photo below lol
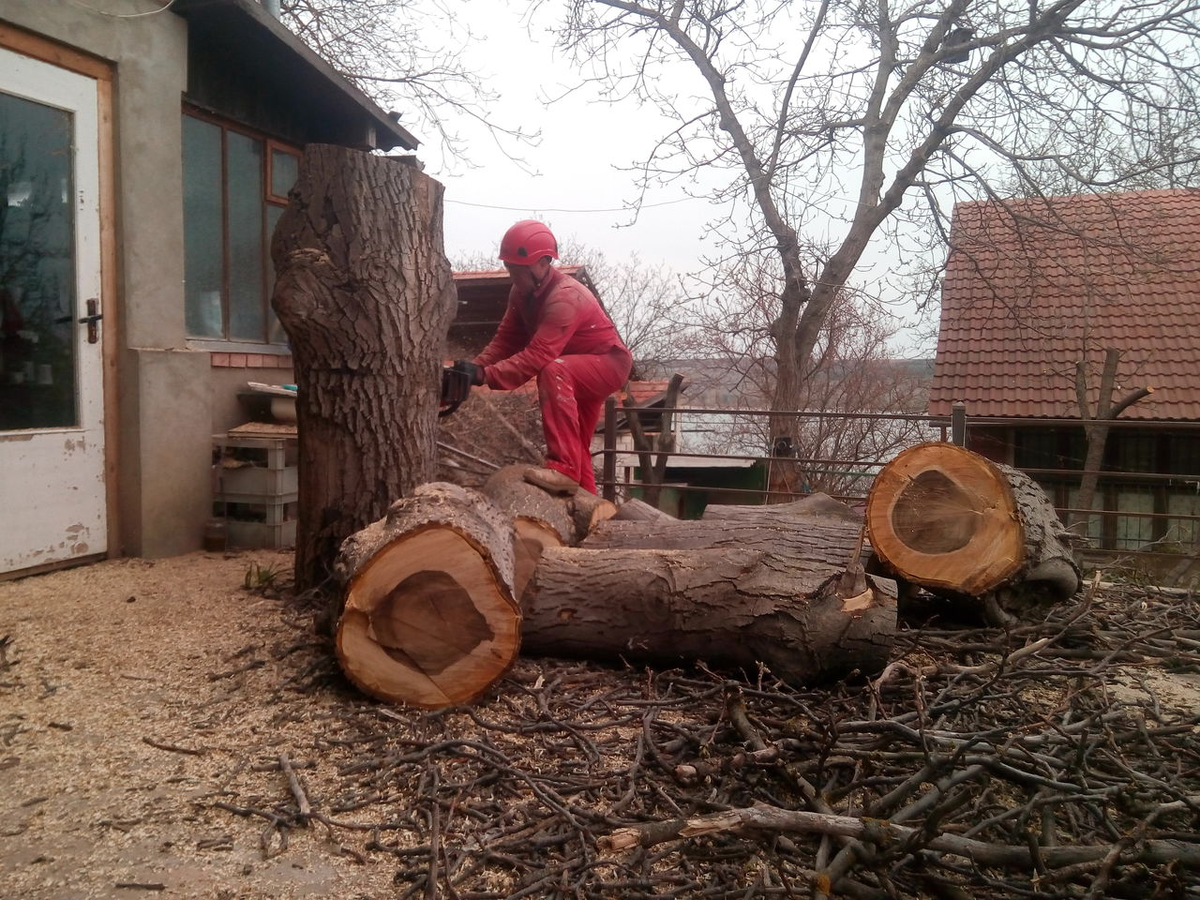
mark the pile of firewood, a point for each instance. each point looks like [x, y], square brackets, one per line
[443, 592]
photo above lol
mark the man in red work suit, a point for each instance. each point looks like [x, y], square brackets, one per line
[555, 329]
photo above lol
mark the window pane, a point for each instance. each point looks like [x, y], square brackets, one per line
[284, 169]
[1133, 532]
[247, 319]
[37, 267]
[203, 250]
[1134, 452]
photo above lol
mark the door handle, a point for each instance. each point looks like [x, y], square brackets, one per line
[90, 320]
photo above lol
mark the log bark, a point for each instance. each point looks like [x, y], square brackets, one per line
[814, 505]
[729, 606]
[429, 617]
[542, 519]
[364, 292]
[790, 593]
[635, 510]
[960, 525]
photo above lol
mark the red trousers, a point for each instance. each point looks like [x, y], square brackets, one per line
[572, 391]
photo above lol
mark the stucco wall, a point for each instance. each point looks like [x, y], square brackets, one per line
[165, 410]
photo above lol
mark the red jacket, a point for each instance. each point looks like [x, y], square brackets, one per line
[562, 318]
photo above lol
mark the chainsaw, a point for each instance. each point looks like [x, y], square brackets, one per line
[457, 381]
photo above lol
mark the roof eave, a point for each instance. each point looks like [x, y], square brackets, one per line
[388, 133]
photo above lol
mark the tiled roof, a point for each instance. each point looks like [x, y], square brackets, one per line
[1032, 285]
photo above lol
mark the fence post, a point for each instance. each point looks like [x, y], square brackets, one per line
[609, 477]
[958, 423]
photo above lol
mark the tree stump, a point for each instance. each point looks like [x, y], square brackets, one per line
[365, 294]
[960, 525]
[428, 617]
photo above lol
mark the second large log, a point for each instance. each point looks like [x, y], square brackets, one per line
[790, 595]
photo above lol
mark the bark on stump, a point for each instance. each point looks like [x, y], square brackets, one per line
[365, 294]
[960, 525]
[429, 617]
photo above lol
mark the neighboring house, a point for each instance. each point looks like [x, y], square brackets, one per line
[146, 151]
[1033, 287]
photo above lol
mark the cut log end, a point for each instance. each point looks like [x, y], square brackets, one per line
[941, 516]
[427, 622]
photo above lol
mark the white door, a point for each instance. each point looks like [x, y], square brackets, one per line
[52, 488]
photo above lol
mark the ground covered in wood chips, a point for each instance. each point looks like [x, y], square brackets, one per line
[177, 728]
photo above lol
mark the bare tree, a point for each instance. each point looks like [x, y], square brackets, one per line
[406, 55]
[820, 119]
[850, 371]
[1096, 417]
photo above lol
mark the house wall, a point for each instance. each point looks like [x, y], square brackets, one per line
[165, 404]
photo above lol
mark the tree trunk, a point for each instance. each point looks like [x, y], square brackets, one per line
[1096, 427]
[958, 524]
[428, 617]
[365, 294]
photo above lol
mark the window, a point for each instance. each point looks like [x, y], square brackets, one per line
[235, 188]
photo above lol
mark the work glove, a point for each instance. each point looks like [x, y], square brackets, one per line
[473, 373]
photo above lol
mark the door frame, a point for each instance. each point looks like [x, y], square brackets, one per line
[102, 72]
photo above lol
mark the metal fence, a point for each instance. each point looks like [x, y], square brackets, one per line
[1147, 509]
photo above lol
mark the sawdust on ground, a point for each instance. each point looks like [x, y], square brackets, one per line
[132, 693]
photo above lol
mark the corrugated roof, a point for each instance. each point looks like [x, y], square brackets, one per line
[1033, 285]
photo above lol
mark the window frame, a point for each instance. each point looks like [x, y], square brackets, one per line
[270, 145]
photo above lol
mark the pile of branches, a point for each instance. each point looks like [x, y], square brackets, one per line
[1042, 761]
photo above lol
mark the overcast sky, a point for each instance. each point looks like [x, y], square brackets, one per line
[573, 180]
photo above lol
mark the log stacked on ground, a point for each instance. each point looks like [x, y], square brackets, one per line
[789, 594]
[953, 522]
[542, 519]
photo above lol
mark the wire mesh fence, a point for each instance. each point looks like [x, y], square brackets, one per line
[1145, 508]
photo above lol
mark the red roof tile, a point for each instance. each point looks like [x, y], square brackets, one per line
[1032, 285]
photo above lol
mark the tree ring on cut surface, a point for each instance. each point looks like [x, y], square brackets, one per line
[427, 621]
[944, 517]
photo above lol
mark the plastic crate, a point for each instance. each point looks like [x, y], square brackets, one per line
[243, 535]
[251, 483]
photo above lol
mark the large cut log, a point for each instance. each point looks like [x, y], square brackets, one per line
[428, 617]
[365, 294]
[828, 544]
[958, 524]
[790, 593]
[729, 606]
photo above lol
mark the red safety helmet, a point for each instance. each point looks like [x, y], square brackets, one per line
[527, 242]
